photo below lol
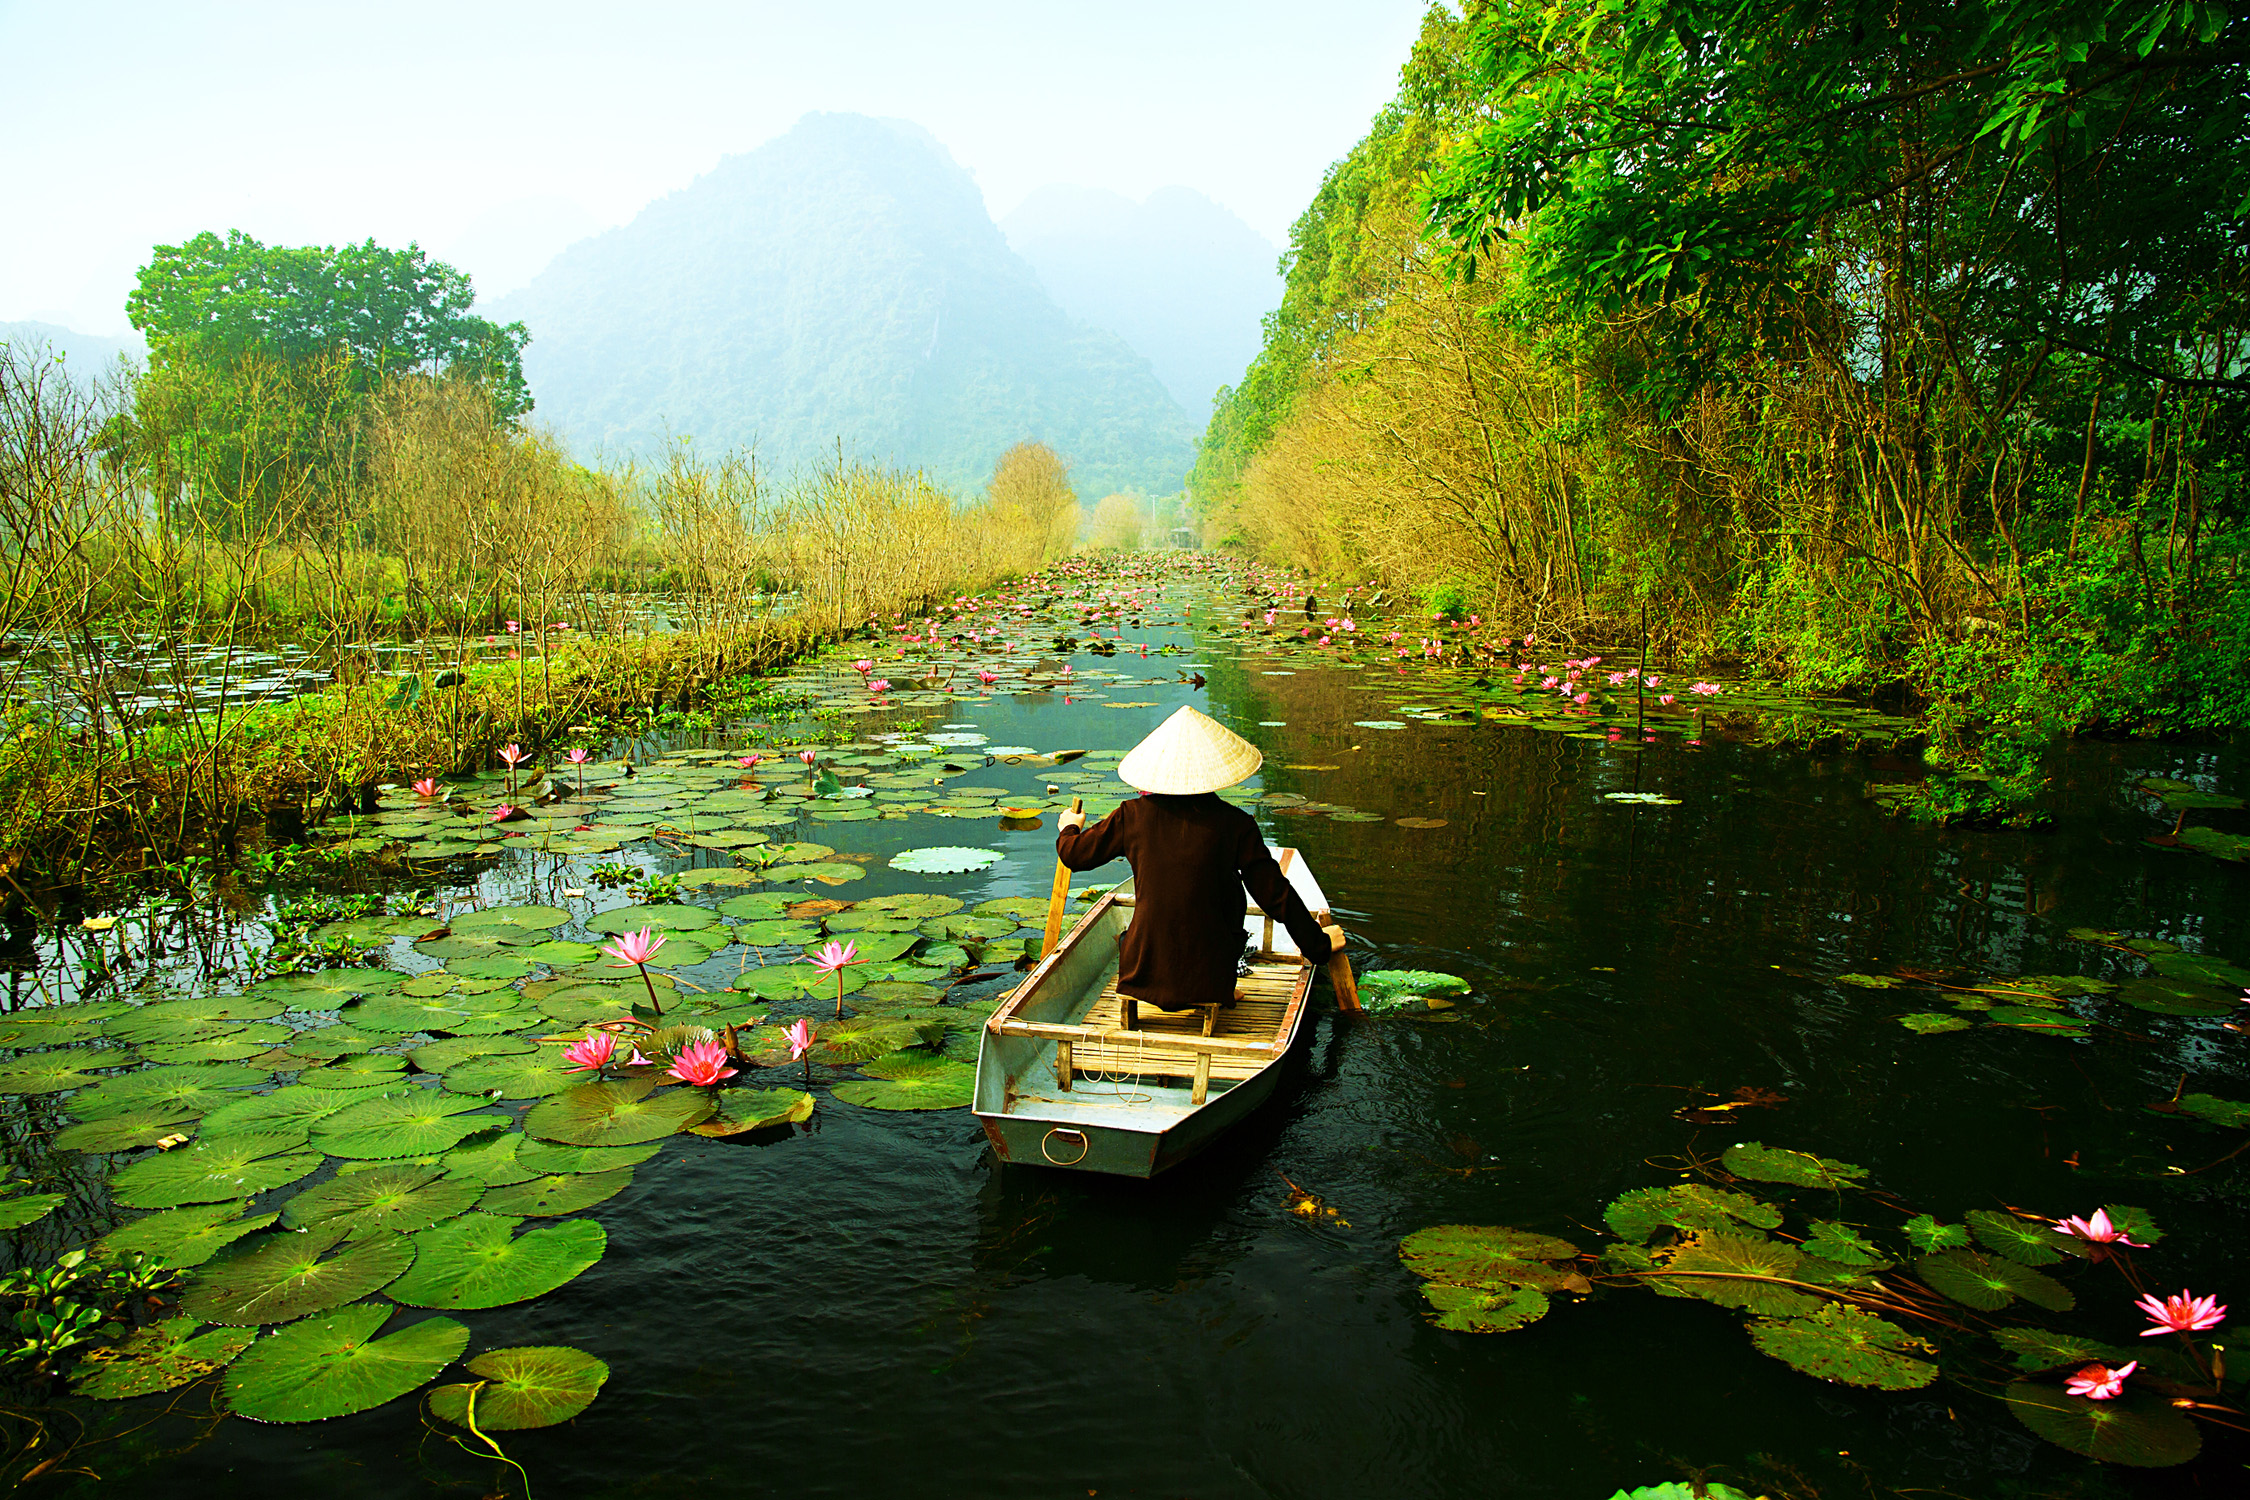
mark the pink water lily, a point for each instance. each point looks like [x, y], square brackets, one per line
[863, 666]
[702, 1063]
[2185, 1313]
[750, 762]
[576, 756]
[503, 811]
[426, 787]
[2100, 1382]
[633, 949]
[1703, 689]
[834, 958]
[513, 754]
[988, 677]
[878, 684]
[592, 1054]
[806, 756]
[800, 1039]
[2097, 1229]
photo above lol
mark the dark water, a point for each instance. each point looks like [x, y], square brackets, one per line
[875, 1307]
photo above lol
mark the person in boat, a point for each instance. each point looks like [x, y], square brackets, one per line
[1192, 856]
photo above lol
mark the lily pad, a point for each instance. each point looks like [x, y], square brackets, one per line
[212, 1171]
[186, 1237]
[946, 861]
[159, 1357]
[521, 1388]
[665, 917]
[1926, 1233]
[1762, 1163]
[1846, 1344]
[744, 1110]
[2039, 1349]
[53, 1072]
[127, 1131]
[1928, 1022]
[911, 1081]
[436, 1057]
[325, 989]
[479, 1261]
[532, 1075]
[334, 1366]
[861, 1040]
[2180, 997]
[1744, 1273]
[543, 918]
[1989, 1282]
[1475, 1309]
[2211, 1109]
[28, 1208]
[1471, 1253]
[561, 1193]
[2028, 1242]
[545, 1157]
[367, 1070]
[291, 1275]
[2139, 1429]
[384, 1200]
[293, 1106]
[622, 1112]
[420, 1123]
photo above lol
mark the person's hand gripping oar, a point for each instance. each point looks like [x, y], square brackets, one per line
[1062, 878]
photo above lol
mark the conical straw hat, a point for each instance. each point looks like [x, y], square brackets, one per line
[1189, 753]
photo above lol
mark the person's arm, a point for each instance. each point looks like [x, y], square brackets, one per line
[1082, 848]
[1278, 899]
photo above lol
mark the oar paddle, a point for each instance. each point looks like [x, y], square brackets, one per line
[1340, 972]
[1061, 895]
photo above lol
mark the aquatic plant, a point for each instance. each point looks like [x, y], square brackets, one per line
[834, 958]
[633, 950]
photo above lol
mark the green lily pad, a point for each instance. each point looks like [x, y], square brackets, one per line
[436, 1057]
[1989, 1282]
[1475, 1309]
[2180, 997]
[911, 1081]
[1390, 984]
[1846, 1344]
[28, 1208]
[780, 934]
[493, 966]
[1762, 1163]
[1478, 1253]
[542, 918]
[53, 1072]
[2027, 1242]
[2204, 968]
[383, 1200]
[126, 1132]
[291, 1275]
[784, 981]
[1926, 1233]
[364, 1071]
[370, 932]
[861, 1040]
[1871, 981]
[420, 1123]
[622, 1112]
[2139, 1429]
[1744, 1273]
[1027, 910]
[186, 1237]
[743, 1110]
[521, 1388]
[561, 1193]
[232, 1166]
[294, 1106]
[1928, 1022]
[2134, 1223]
[665, 917]
[946, 861]
[544, 1158]
[2039, 1349]
[1844, 1245]
[479, 1261]
[159, 1357]
[2217, 844]
[757, 907]
[334, 1366]
[324, 989]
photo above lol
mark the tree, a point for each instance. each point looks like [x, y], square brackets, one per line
[1030, 495]
[1117, 523]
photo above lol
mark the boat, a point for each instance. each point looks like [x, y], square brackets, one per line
[1060, 1083]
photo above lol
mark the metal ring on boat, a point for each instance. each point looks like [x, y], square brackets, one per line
[1084, 1146]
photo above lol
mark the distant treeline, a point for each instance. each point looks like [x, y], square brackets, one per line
[1879, 345]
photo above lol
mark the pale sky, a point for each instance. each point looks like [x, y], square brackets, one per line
[494, 133]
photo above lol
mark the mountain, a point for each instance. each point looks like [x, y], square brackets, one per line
[1178, 277]
[843, 281]
[86, 354]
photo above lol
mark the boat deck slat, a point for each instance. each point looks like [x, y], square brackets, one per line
[1257, 1017]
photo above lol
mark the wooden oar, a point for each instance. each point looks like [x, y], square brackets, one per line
[1340, 972]
[1061, 895]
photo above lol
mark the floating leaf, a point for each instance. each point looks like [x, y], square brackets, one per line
[2206, 1107]
[541, 918]
[1477, 1253]
[52, 1072]
[1763, 1163]
[1988, 1282]
[1392, 984]
[1926, 1233]
[851, 1042]
[1844, 1343]
[665, 917]
[945, 861]
[334, 1366]
[622, 1112]
[1470, 1309]
[489, 1161]
[1871, 981]
[186, 1237]
[478, 1261]
[286, 1277]
[1744, 1273]
[744, 1110]
[2039, 1349]
[436, 1057]
[2135, 1223]
[2138, 1429]
[521, 1388]
[2028, 1242]
[159, 1357]
[1845, 1245]
[420, 1123]
[562, 1193]
[1689, 1205]
[544, 1157]
[28, 1208]
[2180, 997]
[125, 1132]
[324, 989]
[211, 1171]
[1928, 1022]
[290, 1107]
[532, 1075]
[368, 1070]
[910, 1081]
[386, 1199]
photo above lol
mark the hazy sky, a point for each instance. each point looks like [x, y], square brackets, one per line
[494, 133]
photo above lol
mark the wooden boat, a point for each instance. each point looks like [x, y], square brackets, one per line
[1060, 1083]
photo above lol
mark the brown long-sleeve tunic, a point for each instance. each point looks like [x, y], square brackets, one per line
[1191, 858]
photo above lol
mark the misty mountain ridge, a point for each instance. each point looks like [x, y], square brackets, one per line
[1179, 277]
[843, 281]
[86, 355]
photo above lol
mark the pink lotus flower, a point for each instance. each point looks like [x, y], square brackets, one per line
[1652, 679]
[515, 627]
[2100, 1382]
[1667, 700]
[863, 666]
[1581, 698]
[502, 812]
[878, 684]
[426, 787]
[592, 1054]
[1269, 617]
[750, 762]
[2182, 1314]
[1703, 689]
[702, 1063]
[799, 1036]
[806, 756]
[638, 1061]
[1617, 678]
[835, 956]
[576, 757]
[513, 754]
[633, 949]
[2096, 1229]
[988, 677]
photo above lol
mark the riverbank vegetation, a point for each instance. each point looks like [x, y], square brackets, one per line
[458, 580]
[1905, 353]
